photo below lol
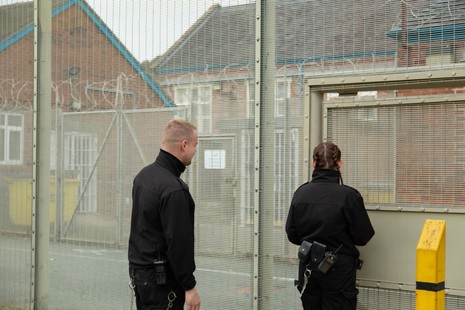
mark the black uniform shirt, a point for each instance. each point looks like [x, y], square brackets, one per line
[162, 221]
[330, 213]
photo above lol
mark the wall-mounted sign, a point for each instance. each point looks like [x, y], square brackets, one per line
[215, 159]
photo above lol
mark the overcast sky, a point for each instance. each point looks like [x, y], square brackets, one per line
[148, 27]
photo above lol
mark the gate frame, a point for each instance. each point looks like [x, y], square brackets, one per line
[316, 130]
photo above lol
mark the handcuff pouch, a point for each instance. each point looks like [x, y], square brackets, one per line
[304, 252]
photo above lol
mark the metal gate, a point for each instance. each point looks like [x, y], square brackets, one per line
[104, 150]
[214, 187]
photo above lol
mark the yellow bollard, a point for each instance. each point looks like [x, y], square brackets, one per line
[431, 270]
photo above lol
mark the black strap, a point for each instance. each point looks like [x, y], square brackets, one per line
[431, 287]
[338, 248]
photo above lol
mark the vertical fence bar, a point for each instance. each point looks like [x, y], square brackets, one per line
[120, 169]
[257, 153]
[59, 173]
[264, 153]
[41, 153]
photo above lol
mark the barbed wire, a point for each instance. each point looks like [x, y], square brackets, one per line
[73, 94]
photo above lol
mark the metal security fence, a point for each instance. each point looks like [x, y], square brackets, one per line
[264, 82]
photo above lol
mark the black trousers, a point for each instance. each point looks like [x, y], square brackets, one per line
[334, 290]
[152, 296]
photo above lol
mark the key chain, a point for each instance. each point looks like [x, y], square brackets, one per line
[307, 274]
[171, 298]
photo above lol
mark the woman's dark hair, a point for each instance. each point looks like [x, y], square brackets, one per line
[326, 155]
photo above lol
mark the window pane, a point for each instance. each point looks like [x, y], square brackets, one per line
[280, 108]
[2, 144]
[195, 95]
[205, 126]
[281, 90]
[15, 145]
[181, 96]
[205, 95]
[14, 120]
[205, 110]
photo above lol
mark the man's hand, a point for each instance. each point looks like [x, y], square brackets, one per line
[192, 299]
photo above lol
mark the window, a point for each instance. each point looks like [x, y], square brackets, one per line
[440, 59]
[11, 138]
[365, 114]
[79, 159]
[439, 54]
[368, 114]
[199, 100]
[283, 94]
[286, 172]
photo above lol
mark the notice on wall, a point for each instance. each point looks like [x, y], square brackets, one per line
[215, 159]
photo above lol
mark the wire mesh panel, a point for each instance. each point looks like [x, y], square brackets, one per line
[15, 158]
[417, 140]
[371, 298]
[383, 299]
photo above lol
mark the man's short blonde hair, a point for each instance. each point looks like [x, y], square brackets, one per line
[176, 131]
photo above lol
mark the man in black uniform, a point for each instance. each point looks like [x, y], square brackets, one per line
[161, 241]
[331, 216]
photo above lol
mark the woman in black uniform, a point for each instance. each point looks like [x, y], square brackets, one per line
[331, 217]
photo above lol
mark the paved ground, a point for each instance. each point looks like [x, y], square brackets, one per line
[89, 277]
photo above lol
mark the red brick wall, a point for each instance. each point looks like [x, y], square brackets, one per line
[76, 43]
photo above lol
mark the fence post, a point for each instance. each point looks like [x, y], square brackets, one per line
[430, 276]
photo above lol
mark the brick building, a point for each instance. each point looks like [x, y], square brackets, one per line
[92, 72]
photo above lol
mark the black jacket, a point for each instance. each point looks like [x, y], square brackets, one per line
[325, 211]
[162, 221]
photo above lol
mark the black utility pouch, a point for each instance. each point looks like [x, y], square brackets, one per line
[304, 252]
[318, 252]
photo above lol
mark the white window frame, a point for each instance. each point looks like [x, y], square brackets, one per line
[250, 105]
[286, 171]
[198, 99]
[8, 129]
